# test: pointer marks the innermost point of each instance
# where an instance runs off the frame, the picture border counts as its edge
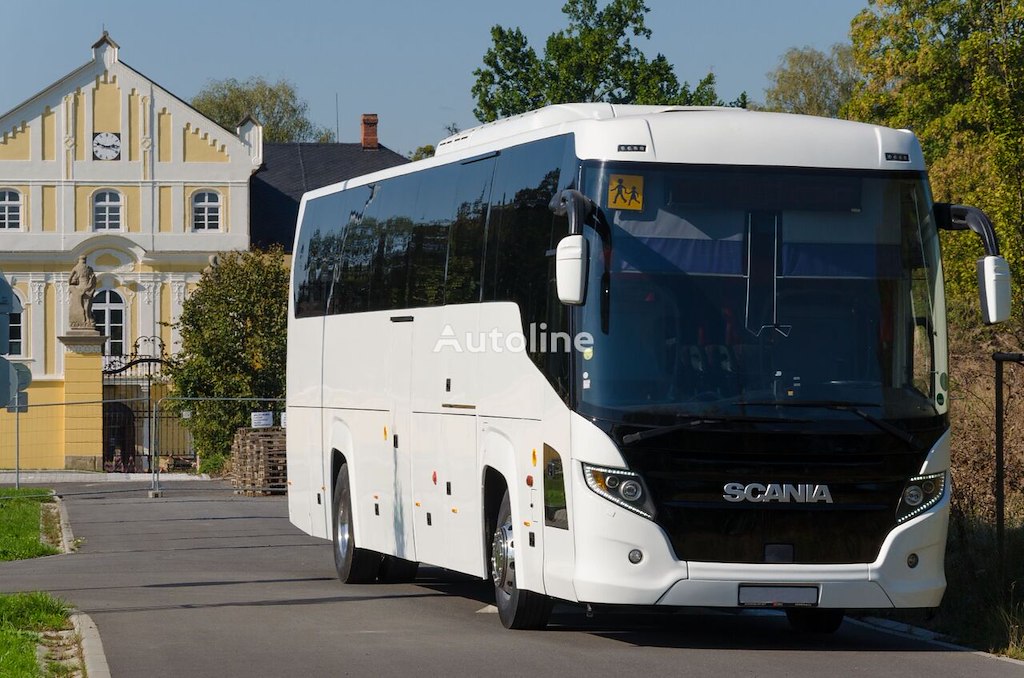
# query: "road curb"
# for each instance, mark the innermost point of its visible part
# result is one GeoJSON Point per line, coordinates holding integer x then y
{"type": "Point", "coordinates": [67, 537]}
{"type": "Point", "coordinates": [93, 657]}
{"type": "Point", "coordinates": [930, 637]}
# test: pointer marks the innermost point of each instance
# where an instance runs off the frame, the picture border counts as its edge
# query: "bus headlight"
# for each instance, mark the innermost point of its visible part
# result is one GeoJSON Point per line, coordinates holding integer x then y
{"type": "Point", "coordinates": [621, 487]}
{"type": "Point", "coordinates": [920, 494]}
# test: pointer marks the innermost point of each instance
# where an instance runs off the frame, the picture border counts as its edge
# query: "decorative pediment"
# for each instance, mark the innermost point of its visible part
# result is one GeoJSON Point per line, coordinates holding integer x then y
{"type": "Point", "coordinates": [201, 147]}
{"type": "Point", "coordinates": [15, 144]}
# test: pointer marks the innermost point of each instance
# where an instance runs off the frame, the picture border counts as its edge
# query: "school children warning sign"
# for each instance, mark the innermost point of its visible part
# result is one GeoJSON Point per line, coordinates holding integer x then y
{"type": "Point", "coordinates": [626, 192]}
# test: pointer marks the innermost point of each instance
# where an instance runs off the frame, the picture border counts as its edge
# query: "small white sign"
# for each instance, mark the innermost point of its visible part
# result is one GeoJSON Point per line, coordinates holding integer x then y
{"type": "Point", "coordinates": [262, 419]}
{"type": "Point", "coordinates": [284, 420]}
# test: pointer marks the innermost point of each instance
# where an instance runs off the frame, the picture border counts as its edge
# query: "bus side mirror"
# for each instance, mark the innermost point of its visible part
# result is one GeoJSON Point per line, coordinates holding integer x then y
{"type": "Point", "coordinates": [994, 289]}
{"type": "Point", "coordinates": [571, 269]}
{"type": "Point", "coordinates": [993, 271]}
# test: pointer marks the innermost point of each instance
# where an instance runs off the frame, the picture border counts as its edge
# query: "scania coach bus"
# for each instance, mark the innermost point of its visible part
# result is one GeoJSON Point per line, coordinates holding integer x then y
{"type": "Point", "coordinates": [630, 355]}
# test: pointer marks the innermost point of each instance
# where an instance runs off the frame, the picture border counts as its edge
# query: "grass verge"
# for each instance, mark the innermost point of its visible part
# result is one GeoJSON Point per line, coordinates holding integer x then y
{"type": "Point", "coordinates": [976, 608]}
{"type": "Point", "coordinates": [23, 618]}
{"type": "Point", "coordinates": [976, 611]}
{"type": "Point", "coordinates": [20, 523]}
{"type": "Point", "coordinates": [29, 621]}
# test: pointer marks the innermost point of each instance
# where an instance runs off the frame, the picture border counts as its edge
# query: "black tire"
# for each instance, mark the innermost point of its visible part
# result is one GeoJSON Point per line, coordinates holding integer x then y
{"type": "Point", "coordinates": [354, 565]}
{"type": "Point", "coordinates": [395, 570]}
{"type": "Point", "coordinates": [517, 609]}
{"type": "Point", "coordinates": [815, 619]}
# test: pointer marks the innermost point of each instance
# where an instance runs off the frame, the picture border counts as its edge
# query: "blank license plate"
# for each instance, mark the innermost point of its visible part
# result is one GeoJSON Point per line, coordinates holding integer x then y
{"type": "Point", "coordinates": [777, 596]}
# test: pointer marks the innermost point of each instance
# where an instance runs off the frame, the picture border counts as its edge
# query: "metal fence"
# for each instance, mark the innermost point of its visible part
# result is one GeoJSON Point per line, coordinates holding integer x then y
{"type": "Point", "coordinates": [260, 412]}
{"type": "Point", "coordinates": [140, 434]}
{"type": "Point", "coordinates": [64, 435]}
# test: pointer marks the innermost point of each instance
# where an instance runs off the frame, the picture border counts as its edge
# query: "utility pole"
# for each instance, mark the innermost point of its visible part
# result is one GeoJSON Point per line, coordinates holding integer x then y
{"type": "Point", "coordinates": [999, 359]}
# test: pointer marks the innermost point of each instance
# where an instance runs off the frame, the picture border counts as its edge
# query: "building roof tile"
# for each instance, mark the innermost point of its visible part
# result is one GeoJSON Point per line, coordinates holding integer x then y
{"type": "Point", "coordinates": [289, 170]}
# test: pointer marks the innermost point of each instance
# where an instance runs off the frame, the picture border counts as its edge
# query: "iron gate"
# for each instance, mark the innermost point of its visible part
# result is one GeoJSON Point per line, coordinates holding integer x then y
{"type": "Point", "coordinates": [132, 385]}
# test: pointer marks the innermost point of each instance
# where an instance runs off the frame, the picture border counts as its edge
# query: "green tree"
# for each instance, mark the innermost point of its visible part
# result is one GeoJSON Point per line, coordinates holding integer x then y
{"type": "Point", "coordinates": [812, 82]}
{"type": "Point", "coordinates": [426, 151]}
{"type": "Point", "coordinates": [953, 71]}
{"type": "Point", "coordinates": [592, 59]}
{"type": "Point", "coordinates": [233, 329]}
{"type": "Point", "coordinates": [742, 101]}
{"type": "Point", "coordinates": [276, 106]}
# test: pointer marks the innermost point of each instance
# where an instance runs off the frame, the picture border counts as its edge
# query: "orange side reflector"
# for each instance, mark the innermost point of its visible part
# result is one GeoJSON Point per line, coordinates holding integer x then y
{"type": "Point", "coordinates": [455, 510]}
{"type": "Point", "coordinates": [535, 457]}
{"type": "Point", "coordinates": [527, 523]}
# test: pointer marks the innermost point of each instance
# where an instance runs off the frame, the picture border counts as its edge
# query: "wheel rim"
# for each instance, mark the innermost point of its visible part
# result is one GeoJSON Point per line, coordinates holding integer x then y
{"type": "Point", "coordinates": [341, 531]}
{"type": "Point", "coordinates": [503, 558]}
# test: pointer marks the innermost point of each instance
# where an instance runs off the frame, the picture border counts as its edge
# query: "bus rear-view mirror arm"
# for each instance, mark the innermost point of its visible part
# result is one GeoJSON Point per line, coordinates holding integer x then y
{"type": "Point", "coordinates": [993, 271]}
{"type": "Point", "coordinates": [571, 257]}
{"type": "Point", "coordinates": [575, 205]}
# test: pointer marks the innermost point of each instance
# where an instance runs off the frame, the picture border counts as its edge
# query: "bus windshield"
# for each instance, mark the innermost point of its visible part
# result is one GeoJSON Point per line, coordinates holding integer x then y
{"type": "Point", "coordinates": [718, 291]}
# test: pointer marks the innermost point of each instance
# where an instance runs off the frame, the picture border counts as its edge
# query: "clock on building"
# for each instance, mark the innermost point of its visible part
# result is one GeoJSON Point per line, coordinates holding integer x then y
{"type": "Point", "coordinates": [106, 146]}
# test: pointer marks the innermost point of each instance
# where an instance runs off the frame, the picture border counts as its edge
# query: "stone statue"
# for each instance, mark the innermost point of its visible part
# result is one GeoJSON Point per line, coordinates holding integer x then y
{"type": "Point", "coordinates": [82, 283]}
{"type": "Point", "coordinates": [214, 263]}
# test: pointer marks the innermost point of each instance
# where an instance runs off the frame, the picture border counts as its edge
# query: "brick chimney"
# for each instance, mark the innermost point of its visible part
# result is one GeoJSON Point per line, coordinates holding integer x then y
{"type": "Point", "coordinates": [369, 137]}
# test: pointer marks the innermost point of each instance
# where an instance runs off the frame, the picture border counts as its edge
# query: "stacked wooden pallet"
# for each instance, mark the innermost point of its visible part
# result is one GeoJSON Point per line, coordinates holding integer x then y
{"type": "Point", "coordinates": [258, 461]}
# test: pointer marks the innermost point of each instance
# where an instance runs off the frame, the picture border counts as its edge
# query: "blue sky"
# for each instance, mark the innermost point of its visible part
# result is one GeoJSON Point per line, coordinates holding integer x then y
{"type": "Point", "coordinates": [409, 61]}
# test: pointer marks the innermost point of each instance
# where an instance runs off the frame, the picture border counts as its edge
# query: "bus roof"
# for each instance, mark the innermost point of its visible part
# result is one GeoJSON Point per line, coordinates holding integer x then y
{"type": "Point", "coordinates": [701, 135]}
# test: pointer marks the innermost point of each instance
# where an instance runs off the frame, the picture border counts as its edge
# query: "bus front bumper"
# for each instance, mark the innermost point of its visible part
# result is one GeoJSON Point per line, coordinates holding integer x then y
{"type": "Point", "coordinates": [604, 574]}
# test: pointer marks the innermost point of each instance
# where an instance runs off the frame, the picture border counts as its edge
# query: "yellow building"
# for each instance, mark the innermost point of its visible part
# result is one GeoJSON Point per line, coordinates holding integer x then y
{"type": "Point", "coordinates": [106, 164]}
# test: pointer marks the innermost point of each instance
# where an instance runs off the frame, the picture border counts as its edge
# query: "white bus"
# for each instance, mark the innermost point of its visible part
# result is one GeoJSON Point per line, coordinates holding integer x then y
{"type": "Point", "coordinates": [626, 355]}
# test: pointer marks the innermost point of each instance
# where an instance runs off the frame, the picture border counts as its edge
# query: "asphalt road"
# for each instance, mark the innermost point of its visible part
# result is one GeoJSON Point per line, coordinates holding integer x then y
{"type": "Point", "coordinates": [205, 583]}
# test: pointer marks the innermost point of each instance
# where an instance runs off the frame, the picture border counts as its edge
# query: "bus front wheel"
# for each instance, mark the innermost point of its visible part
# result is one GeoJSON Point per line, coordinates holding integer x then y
{"type": "Point", "coordinates": [354, 565]}
{"type": "Point", "coordinates": [517, 609]}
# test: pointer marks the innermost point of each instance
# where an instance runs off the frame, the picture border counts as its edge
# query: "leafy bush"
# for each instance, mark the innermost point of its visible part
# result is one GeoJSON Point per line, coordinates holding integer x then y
{"type": "Point", "coordinates": [233, 333]}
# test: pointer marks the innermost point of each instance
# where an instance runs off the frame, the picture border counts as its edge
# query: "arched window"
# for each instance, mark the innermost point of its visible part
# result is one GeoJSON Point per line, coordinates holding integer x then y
{"type": "Point", "coordinates": [106, 211]}
{"type": "Point", "coordinates": [17, 328]}
{"type": "Point", "coordinates": [108, 314]}
{"type": "Point", "coordinates": [10, 209]}
{"type": "Point", "coordinates": [206, 211]}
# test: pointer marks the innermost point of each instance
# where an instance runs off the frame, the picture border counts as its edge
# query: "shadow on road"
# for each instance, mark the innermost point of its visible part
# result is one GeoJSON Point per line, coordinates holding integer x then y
{"type": "Point", "coordinates": [684, 628]}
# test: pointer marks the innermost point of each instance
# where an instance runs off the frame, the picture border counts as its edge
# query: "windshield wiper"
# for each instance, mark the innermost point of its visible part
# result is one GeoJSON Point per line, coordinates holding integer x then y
{"type": "Point", "coordinates": [697, 421]}
{"type": "Point", "coordinates": [844, 406]}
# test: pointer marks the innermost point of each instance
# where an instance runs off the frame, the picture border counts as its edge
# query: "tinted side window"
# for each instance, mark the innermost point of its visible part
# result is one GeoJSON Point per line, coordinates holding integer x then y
{"type": "Point", "coordinates": [354, 248]}
{"type": "Point", "coordinates": [522, 227]}
{"type": "Point", "coordinates": [312, 265]}
{"type": "Point", "coordinates": [466, 239]}
{"type": "Point", "coordinates": [556, 511]}
{"type": "Point", "coordinates": [462, 233]}
{"type": "Point", "coordinates": [392, 211]}
{"type": "Point", "coordinates": [522, 230]}
{"type": "Point", "coordinates": [428, 250]}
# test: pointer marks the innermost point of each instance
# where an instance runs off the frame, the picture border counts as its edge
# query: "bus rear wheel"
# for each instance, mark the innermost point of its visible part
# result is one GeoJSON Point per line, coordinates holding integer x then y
{"type": "Point", "coordinates": [517, 609]}
{"type": "Point", "coordinates": [354, 565]}
{"type": "Point", "coordinates": [814, 619]}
